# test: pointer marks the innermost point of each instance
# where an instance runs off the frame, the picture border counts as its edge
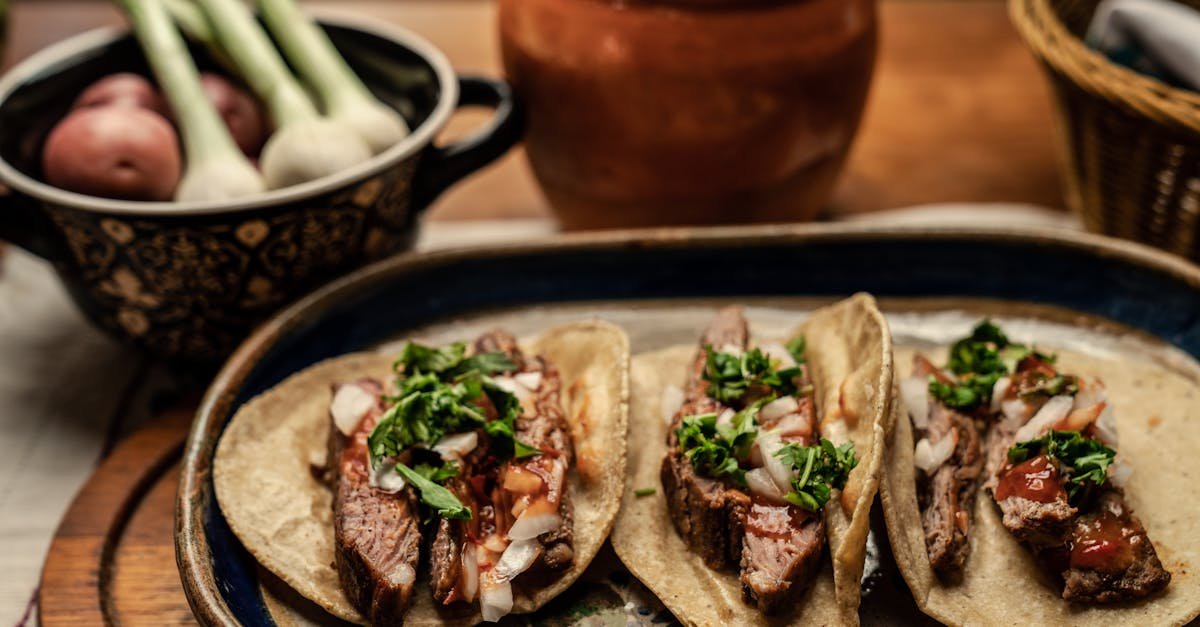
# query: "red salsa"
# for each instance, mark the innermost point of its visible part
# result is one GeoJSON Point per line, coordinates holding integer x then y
{"type": "Point", "coordinates": [1035, 479]}
{"type": "Point", "coordinates": [1104, 543]}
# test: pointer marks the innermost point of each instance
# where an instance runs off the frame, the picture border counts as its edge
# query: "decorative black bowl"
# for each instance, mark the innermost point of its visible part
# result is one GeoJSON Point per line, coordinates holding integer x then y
{"type": "Point", "coordinates": [186, 281]}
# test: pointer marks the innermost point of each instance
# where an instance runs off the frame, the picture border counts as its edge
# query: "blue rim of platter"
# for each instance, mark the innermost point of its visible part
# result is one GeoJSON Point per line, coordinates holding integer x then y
{"type": "Point", "coordinates": [1127, 283]}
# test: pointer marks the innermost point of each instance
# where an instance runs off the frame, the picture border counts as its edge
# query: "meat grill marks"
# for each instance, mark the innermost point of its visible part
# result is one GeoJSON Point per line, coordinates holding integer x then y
{"type": "Point", "coordinates": [377, 535]}
{"type": "Point", "coordinates": [1100, 551]}
{"type": "Point", "coordinates": [776, 547]}
{"type": "Point", "coordinates": [947, 496]}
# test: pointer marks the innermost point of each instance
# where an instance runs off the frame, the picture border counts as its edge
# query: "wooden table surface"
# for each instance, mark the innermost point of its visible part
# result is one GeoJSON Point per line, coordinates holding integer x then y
{"type": "Point", "coordinates": [958, 111]}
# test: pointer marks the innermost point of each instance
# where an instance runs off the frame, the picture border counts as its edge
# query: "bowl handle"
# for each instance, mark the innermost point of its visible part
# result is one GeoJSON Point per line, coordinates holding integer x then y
{"type": "Point", "coordinates": [442, 166]}
{"type": "Point", "coordinates": [23, 223]}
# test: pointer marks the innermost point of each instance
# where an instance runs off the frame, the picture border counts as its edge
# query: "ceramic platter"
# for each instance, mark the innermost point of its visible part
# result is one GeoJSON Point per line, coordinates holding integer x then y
{"type": "Point", "coordinates": [1058, 289]}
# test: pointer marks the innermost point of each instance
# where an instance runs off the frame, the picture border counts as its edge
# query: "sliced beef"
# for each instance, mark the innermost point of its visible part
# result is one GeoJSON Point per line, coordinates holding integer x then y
{"type": "Point", "coordinates": [709, 515]}
{"type": "Point", "coordinates": [1111, 558]}
{"type": "Point", "coordinates": [445, 562]}
{"type": "Point", "coordinates": [1033, 502]}
{"type": "Point", "coordinates": [776, 547]}
{"type": "Point", "coordinates": [948, 494]}
{"type": "Point", "coordinates": [781, 552]}
{"type": "Point", "coordinates": [377, 534]}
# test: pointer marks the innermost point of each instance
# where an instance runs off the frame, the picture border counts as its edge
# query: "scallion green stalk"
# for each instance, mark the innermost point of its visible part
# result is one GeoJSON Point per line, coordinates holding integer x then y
{"type": "Point", "coordinates": [305, 146]}
{"type": "Point", "coordinates": [342, 92]}
{"type": "Point", "coordinates": [215, 169]}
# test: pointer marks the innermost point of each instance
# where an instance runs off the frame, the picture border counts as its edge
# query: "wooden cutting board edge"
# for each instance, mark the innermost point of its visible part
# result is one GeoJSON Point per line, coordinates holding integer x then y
{"type": "Point", "coordinates": [76, 576]}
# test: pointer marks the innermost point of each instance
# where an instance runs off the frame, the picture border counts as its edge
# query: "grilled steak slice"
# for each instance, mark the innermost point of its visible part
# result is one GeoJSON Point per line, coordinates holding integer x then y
{"type": "Point", "coordinates": [949, 493]}
{"type": "Point", "coordinates": [1033, 501]}
{"type": "Point", "coordinates": [1111, 558]}
{"type": "Point", "coordinates": [445, 562]}
{"type": "Point", "coordinates": [377, 534]}
{"type": "Point", "coordinates": [708, 515]}
{"type": "Point", "coordinates": [780, 553]}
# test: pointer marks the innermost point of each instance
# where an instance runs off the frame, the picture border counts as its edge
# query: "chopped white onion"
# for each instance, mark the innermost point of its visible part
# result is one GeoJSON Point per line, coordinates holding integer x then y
{"type": "Point", "coordinates": [402, 575]}
{"type": "Point", "coordinates": [793, 424]}
{"type": "Point", "coordinates": [1090, 393]}
{"type": "Point", "coordinates": [506, 383]}
{"type": "Point", "coordinates": [533, 525]}
{"type": "Point", "coordinates": [1049, 415]}
{"type": "Point", "coordinates": [385, 476]}
{"type": "Point", "coordinates": [456, 446]}
{"type": "Point", "coordinates": [517, 558]}
{"type": "Point", "coordinates": [350, 403]}
{"type": "Point", "coordinates": [510, 385]}
{"type": "Point", "coordinates": [725, 417]}
{"type": "Point", "coordinates": [999, 391]}
{"type": "Point", "coordinates": [470, 572]}
{"type": "Point", "coordinates": [495, 543]}
{"type": "Point", "coordinates": [1015, 411]}
{"type": "Point", "coordinates": [1106, 427]}
{"type": "Point", "coordinates": [672, 400]}
{"type": "Point", "coordinates": [928, 456]}
{"type": "Point", "coordinates": [529, 380]}
{"type": "Point", "coordinates": [781, 474]}
{"type": "Point", "coordinates": [495, 599]}
{"type": "Point", "coordinates": [1119, 473]}
{"type": "Point", "coordinates": [780, 353]}
{"type": "Point", "coordinates": [1079, 418]}
{"type": "Point", "coordinates": [761, 484]}
{"type": "Point", "coordinates": [778, 408]}
{"type": "Point", "coordinates": [914, 392]}
{"type": "Point", "coordinates": [732, 349]}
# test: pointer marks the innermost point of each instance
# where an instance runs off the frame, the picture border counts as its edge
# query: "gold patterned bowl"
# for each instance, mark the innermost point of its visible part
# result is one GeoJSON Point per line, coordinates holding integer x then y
{"type": "Point", "coordinates": [186, 281]}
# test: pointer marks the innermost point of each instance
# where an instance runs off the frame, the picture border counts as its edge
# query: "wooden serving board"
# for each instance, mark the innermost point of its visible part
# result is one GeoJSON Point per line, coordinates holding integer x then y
{"type": "Point", "coordinates": [112, 560]}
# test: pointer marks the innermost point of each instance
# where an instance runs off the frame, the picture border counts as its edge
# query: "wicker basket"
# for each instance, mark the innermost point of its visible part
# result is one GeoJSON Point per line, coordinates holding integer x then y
{"type": "Point", "coordinates": [1129, 144]}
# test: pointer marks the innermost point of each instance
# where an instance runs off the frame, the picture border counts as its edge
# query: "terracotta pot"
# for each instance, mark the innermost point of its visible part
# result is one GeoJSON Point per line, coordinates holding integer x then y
{"type": "Point", "coordinates": [688, 111]}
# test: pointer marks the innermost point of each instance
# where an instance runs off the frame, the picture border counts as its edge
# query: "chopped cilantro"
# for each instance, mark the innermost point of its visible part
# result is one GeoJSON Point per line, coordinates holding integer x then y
{"type": "Point", "coordinates": [796, 348]}
{"type": "Point", "coordinates": [730, 376]}
{"type": "Point", "coordinates": [450, 361]}
{"type": "Point", "coordinates": [981, 359]}
{"type": "Point", "coordinates": [438, 391]}
{"type": "Point", "coordinates": [437, 474]}
{"type": "Point", "coordinates": [716, 450]}
{"type": "Point", "coordinates": [1083, 461]}
{"type": "Point", "coordinates": [641, 492]}
{"type": "Point", "coordinates": [822, 467]}
{"type": "Point", "coordinates": [439, 498]}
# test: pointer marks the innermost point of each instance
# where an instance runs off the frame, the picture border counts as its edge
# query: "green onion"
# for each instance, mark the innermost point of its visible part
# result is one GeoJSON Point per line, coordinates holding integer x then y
{"type": "Point", "coordinates": [305, 146]}
{"type": "Point", "coordinates": [344, 95]}
{"type": "Point", "coordinates": [641, 492]}
{"type": "Point", "coordinates": [216, 169]}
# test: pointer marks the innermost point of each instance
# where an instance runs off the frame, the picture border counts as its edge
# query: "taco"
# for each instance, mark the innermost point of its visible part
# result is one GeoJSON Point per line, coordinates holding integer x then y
{"type": "Point", "coordinates": [1052, 535]}
{"type": "Point", "coordinates": [767, 455]}
{"type": "Point", "coordinates": [457, 483]}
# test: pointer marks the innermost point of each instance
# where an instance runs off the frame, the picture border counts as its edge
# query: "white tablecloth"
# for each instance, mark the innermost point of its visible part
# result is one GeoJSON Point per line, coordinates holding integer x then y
{"type": "Point", "coordinates": [67, 391]}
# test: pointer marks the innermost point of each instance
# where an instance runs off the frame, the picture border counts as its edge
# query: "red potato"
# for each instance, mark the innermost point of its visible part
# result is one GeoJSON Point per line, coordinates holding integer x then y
{"type": "Point", "coordinates": [114, 152]}
{"type": "Point", "coordinates": [123, 89]}
{"type": "Point", "coordinates": [241, 112]}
